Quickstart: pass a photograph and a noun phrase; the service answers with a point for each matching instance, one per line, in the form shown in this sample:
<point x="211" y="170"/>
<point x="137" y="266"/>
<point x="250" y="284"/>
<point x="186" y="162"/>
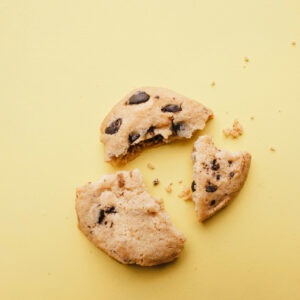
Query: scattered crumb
<point x="180" y="180"/>
<point x="169" y="188"/>
<point x="150" y="166"/>
<point x="156" y="181"/>
<point x="293" y="43"/>
<point x="235" y="131"/>
<point x="246" y="59"/>
<point x="251" y="118"/>
<point x="279" y="110"/>
<point x="186" y="194"/>
<point x="272" y="149"/>
<point x="213" y="83"/>
<point x="244" y="67"/>
<point x="49" y="273"/>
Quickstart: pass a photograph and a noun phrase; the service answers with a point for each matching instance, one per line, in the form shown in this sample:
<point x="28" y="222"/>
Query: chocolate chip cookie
<point x="118" y="215"/>
<point x="218" y="176"/>
<point x="149" y="116"/>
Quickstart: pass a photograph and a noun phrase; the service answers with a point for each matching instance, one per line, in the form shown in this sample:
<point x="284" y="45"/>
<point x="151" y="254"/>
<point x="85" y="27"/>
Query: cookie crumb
<point x="235" y="131"/>
<point x="251" y="118"/>
<point x="293" y="43"/>
<point x="186" y="194"/>
<point x="272" y="149"/>
<point x="180" y="180"/>
<point x="246" y="59"/>
<point x="213" y="83"/>
<point x="169" y="188"/>
<point x="150" y="166"/>
<point x="155" y="182"/>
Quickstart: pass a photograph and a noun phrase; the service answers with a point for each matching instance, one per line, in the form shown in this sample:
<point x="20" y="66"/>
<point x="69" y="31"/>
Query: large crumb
<point x="252" y="118"/>
<point x="246" y="59"/>
<point x="156" y="181"/>
<point x="272" y="149"/>
<point x="235" y="131"/>
<point x="293" y="43"/>
<point x="186" y="194"/>
<point x="169" y="188"/>
<point x="213" y="83"/>
<point x="150" y="166"/>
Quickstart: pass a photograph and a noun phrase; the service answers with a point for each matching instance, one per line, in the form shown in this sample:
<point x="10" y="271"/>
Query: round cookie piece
<point x="218" y="176"/>
<point x="118" y="215"/>
<point x="149" y="116"/>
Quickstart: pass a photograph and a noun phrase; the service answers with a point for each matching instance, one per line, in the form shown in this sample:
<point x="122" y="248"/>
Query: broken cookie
<point x="118" y="215"/>
<point x="149" y="116"/>
<point x="218" y="176"/>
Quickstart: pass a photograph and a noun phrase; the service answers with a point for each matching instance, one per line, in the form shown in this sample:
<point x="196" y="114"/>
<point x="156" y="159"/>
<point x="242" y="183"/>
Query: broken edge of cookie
<point x="218" y="176"/>
<point x="119" y="217"/>
<point x="149" y="117"/>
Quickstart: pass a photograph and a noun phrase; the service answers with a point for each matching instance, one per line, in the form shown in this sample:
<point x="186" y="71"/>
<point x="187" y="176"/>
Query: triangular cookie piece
<point x="118" y="215"/>
<point x="218" y="176"/>
<point x="147" y="117"/>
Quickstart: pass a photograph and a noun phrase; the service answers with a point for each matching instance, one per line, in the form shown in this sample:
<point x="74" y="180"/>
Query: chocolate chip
<point x="210" y="188"/>
<point x="193" y="186"/>
<point x="231" y="174"/>
<point x="213" y="202"/>
<point x="105" y="223"/>
<point x="133" y="137"/>
<point x="151" y="130"/>
<point x="156" y="97"/>
<point x="171" y="108"/>
<point x="139" y="97"/>
<point x="101" y="216"/>
<point x="177" y="127"/>
<point x="215" y="166"/>
<point x="230" y="162"/>
<point x="113" y="127"/>
<point x="111" y="210"/>
<point x="218" y="177"/>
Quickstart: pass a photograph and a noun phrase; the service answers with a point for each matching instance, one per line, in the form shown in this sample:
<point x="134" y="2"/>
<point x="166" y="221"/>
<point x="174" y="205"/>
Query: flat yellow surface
<point x="64" y="64"/>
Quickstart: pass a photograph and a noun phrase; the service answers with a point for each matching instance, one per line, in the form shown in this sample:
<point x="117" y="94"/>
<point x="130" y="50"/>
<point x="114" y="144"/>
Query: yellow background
<point x="64" y="64"/>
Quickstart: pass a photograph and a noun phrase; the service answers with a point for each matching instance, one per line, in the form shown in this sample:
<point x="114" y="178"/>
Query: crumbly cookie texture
<point x="235" y="131"/>
<point x="149" y="116"/>
<point x="118" y="215"/>
<point x="218" y="176"/>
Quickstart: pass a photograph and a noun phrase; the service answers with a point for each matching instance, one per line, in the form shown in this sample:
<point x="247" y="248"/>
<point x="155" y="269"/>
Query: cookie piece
<point x="149" y="116"/>
<point x="118" y="215"/>
<point x="218" y="176"/>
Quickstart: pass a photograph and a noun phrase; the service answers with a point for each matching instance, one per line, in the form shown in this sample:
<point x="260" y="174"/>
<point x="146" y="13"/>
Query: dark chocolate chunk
<point x="105" y="223"/>
<point x="151" y="130"/>
<point x="214" y="165"/>
<point x="139" y="97"/>
<point x="113" y="127"/>
<point x="193" y="186"/>
<point x="133" y="137"/>
<point x="171" y="108"/>
<point x="231" y="174"/>
<point x="230" y="162"/>
<point x="101" y="216"/>
<point x="210" y="188"/>
<point x="213" y="202"/>
<point x="111" y="210"/>
<point x="177" y="127"/>
<point x="218" y="177"/>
